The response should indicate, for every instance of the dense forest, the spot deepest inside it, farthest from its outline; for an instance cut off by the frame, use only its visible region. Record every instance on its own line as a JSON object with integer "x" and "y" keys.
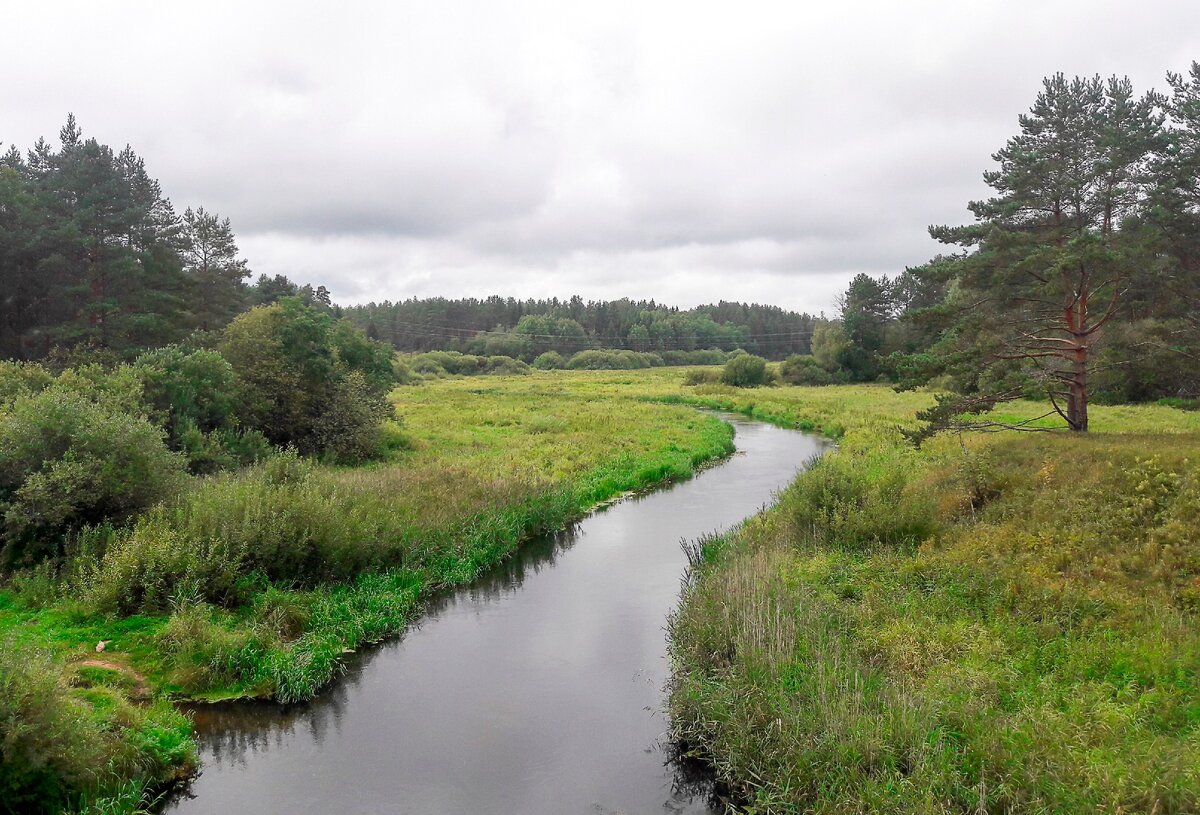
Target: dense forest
{"x": 527, "y": 328}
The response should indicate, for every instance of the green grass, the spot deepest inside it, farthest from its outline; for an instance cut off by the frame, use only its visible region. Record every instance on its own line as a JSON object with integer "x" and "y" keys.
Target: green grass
{"x": 257, "y": 583}
{"x": 905, "y": 631}
{"x": 998, "y": 623}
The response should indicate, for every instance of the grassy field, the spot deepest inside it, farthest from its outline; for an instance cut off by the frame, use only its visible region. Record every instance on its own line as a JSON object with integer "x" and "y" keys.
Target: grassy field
{"x": 257, "y": 583}
{"x": 997, "y": 623}
{"x": 993, "y": 623}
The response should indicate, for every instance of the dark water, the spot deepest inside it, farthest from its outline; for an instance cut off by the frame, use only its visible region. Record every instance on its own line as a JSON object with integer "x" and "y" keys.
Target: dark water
{"x": 537, "y": 689}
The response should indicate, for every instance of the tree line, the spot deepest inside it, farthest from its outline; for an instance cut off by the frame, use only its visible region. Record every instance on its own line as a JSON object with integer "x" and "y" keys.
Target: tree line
{"x": 1077, "y": 280}
{"x": 527, "y": 328}
{"x": 95, "y": 257}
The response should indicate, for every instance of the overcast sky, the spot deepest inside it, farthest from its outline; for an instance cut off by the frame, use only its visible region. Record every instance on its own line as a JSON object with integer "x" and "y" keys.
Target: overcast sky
{"x": 686, "y": 152}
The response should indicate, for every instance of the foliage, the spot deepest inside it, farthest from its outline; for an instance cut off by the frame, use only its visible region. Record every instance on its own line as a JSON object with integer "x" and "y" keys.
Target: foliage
{"x": 61, "y": 746}
{"x": 610, "y": 360}
{"x": 489, "y": 327}
{"x": 66, "y": 461}
{"x": 453, "y": 363}
{"x": 550, "y": 361}
{"x": 95, "y": 256}
{"x": 804, "y": 370}
{"x": 745, "y": 371}
{"x": 295, "y": 370}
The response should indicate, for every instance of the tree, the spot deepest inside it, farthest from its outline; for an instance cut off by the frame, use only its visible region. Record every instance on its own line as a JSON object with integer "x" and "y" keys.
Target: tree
{"x": 210, "y": 255}
{"x": 296, "y": 367}
{"x": 93, "y": 249}
{"x": 1050, "y": 263}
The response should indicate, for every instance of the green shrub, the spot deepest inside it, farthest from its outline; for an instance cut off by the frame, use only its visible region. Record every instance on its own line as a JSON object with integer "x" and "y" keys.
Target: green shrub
{"x": 296, "y": 372}
{"x": 745, "y": 371}
{"x": 803, "y": 369}
{"x": 706, "y": 356}
{"x": 506, "y": 366}
{"x": 61, "y": 747}
{"x": 350, "y": 429}
{"x": 454, "y": 363}
{"x": 187, "y": 388}
{"x": 610, "y": 360}
{"x": 66, "y": 461}
{"x": 550, "y": 361}
{"x": 702, "y": 376}
{"x": 20, "y": 378}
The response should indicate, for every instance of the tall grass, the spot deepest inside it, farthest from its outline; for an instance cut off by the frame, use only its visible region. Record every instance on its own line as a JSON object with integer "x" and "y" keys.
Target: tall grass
{"x": 997, "y": 624}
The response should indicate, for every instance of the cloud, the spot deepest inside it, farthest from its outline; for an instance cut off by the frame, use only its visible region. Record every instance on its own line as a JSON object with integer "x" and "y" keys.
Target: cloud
{"x": 682, "y": 151}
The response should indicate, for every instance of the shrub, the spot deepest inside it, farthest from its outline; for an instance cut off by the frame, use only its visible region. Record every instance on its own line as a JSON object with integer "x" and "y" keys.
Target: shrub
{"x": 454, "y": 363}
{"x": 350, "y": 429}
{"x": 19, "y": 378}
{"x": 66, "y": 461}
{"x": 702, "y": 376}
{"x": 550, "y": 361}
{"x": 506, "y": 366}
{"x": 708, "y": 356}
{"x": 59, "y": 744}
{"x": 613, "y": 360}
{"x": 802, "y": 369}
{"x": 187, "y": 388}
{"x": 295, "y": 367}
{"x": 745, "y": 371}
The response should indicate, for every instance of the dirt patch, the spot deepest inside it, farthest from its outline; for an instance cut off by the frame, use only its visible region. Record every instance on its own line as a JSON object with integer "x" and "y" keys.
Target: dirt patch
{"x": 140, "y": 688}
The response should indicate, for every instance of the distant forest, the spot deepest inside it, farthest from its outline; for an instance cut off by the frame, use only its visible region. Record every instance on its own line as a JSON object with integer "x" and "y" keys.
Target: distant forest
{"x": 96, "y": 260}
{"x": 526, "y": 328}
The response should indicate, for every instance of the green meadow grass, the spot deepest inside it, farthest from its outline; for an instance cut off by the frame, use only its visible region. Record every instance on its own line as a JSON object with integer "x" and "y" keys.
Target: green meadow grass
{"x": 997, "y": 622}
{"x": 993, "y": 623}
{"x": 257, "y": 583}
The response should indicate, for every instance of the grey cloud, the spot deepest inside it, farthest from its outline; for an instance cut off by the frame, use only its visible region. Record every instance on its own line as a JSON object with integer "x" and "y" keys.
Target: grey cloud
{"x": 683, "y": 151}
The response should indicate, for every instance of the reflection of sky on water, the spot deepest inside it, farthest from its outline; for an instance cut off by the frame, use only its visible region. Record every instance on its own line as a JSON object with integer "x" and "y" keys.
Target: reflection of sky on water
{"x": 537, "y": 689}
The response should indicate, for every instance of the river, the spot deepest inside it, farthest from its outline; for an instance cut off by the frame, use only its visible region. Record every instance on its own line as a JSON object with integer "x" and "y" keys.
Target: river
{"x": 536, "y": 689}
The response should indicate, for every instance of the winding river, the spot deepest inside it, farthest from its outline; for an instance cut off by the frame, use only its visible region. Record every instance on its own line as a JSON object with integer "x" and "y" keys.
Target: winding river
{"x": 536, "y": 689}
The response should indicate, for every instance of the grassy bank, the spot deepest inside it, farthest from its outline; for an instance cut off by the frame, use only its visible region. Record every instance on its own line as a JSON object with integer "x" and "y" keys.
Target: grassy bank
{"x": 998, "y": 623}
{"x": 256, "y": 583}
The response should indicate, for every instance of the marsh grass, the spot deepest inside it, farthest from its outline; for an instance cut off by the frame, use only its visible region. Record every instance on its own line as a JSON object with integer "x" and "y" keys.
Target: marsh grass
{"x": 1001, "y": 623}
{"x": 258, "y": 583}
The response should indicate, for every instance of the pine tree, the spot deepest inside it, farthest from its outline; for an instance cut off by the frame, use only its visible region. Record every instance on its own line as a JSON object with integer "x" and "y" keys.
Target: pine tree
{"x": 1051, "y": 264}
{"x": 210, "y": 255}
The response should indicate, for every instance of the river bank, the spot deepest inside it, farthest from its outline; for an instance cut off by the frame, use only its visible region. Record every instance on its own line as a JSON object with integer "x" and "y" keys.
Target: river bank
{"x": 537, "y": 688}
{"x": 997, "y": 623}
{"x": 260, "y": 583}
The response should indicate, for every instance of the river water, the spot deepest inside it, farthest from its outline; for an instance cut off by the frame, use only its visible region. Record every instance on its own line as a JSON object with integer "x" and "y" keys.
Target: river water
{"x": 537, "y": 689}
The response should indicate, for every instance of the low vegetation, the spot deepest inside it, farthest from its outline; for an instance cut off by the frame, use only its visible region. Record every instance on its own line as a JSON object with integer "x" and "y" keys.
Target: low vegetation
{"x": 997, "y": 623}
{"x": 255, "y": 582}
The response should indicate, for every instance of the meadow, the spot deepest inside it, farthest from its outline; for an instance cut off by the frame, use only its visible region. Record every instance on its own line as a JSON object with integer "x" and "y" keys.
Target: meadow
{"x": 993, "y": 622}
{"x": 256, "y": 583}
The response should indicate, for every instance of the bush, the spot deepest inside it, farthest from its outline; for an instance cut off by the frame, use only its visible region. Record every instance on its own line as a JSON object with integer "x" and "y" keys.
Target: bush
{"x": 453, "y": 363}
{"x": 745, "y": 371}
{"x": 61, "y": 745}
{"x": 19, "y": 378}
{"x": 296, "y": 368}
{"x": 350, "y": 429}
{"x": 187, "y": 388}
{"x": 702, "y": 376}
{"x": 66, "y": 461}
{"x": 708, "y": 356}
{"x": 550, "y": 361}
{"x": 802, "y": 369}
{"x": 612, "y": 360}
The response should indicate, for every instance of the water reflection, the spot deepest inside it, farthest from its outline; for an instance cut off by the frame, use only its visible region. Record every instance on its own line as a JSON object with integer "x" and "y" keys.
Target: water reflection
{"x": 536, "y": 689}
